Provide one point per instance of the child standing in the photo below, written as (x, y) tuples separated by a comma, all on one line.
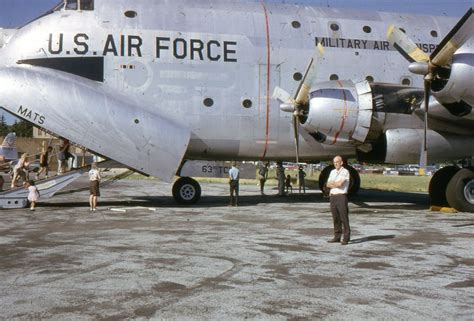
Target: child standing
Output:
[(33, 194)]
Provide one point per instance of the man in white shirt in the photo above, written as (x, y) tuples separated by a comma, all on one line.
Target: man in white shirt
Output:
[(234, 185), (338, 182)]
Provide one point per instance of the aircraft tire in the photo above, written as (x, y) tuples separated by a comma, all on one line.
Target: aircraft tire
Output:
[(354, 184), (186, 191), (460, 191), (439, 183)]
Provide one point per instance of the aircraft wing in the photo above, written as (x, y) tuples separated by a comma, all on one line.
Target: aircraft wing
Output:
[(94, 116)]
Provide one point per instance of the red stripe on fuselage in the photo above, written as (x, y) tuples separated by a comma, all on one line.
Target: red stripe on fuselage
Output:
[(344, 115), (267, 92)]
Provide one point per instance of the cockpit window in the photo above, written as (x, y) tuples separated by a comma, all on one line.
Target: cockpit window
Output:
[(71, 4), (82, 4), (87, 4)]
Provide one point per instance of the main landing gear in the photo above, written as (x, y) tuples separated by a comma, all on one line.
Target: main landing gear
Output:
[(354, 184), (454, 187), (186, 191)]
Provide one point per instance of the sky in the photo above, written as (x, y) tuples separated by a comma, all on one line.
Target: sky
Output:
[(14, 13)]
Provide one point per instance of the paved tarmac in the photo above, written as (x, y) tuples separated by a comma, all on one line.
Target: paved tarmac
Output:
[(143, 257)]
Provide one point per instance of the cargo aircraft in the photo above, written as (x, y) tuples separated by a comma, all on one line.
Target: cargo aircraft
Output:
[(157, 85)]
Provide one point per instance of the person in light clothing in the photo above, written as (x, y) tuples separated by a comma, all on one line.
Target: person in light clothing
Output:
[(20, 170), (234, 185), (94, 178), (338, 183), (33, 194)]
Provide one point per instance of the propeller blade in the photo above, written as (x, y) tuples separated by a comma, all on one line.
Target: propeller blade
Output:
[(297, 141), (282, 96), (461, 32), (424, 146), (302, 93), (405, 45)]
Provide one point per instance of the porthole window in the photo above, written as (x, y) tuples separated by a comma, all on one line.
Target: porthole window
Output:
[(296, 24), (406, 81), (208, 102), (434, 34), (247, 103), (137, 121), (369, 78), (367, 29), (297, 76), (334, 27), (130, 14), (334, 77)]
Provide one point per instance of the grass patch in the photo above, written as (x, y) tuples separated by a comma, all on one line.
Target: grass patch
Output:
[(368, 181)]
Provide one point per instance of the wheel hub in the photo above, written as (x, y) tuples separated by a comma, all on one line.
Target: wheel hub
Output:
[(187, 192), (469, 191)]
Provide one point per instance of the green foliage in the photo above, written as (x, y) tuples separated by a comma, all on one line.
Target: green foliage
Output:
[(21, 128), (4, 128)]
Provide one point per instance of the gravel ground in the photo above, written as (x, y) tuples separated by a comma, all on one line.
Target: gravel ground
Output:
[(143, 257)]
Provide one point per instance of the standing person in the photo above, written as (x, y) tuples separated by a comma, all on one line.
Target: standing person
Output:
[(288, 186), (94, 178), (33, 194), (301, 176), (262, 176), (63, 156), (19, 171), (281, 179), (44, 160), (234, 185), (338, 183)]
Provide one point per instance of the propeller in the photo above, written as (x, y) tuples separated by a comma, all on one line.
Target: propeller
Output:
[(433, 65), (299, 102)]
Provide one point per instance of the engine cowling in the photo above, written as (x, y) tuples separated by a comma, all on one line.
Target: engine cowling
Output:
[(453, 88), (340, 113)]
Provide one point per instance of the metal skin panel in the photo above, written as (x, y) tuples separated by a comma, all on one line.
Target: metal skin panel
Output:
[(104, 121), (404, 146)]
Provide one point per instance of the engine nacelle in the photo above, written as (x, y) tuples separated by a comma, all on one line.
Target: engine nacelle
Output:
[(340, 113), (453, 89), (402, 146)]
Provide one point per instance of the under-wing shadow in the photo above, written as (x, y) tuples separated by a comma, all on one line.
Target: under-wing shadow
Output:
[(366, 199), (463, 225), (372, 238)]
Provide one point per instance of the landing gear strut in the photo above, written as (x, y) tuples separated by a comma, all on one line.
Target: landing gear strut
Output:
[(186, 191)]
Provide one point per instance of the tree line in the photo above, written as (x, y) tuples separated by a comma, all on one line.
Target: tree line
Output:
[(20, 127)]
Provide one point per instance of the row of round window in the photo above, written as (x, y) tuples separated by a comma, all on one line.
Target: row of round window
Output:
[(209, 102), (298, 76), (367, 29), (247, 103)]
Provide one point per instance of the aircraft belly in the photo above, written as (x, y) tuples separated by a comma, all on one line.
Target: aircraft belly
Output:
[(85, 113)]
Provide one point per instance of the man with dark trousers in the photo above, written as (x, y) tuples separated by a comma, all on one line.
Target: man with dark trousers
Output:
[(338, 183), (234, 185)]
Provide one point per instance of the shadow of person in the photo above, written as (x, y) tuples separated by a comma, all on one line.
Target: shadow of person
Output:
[(371, 238)]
